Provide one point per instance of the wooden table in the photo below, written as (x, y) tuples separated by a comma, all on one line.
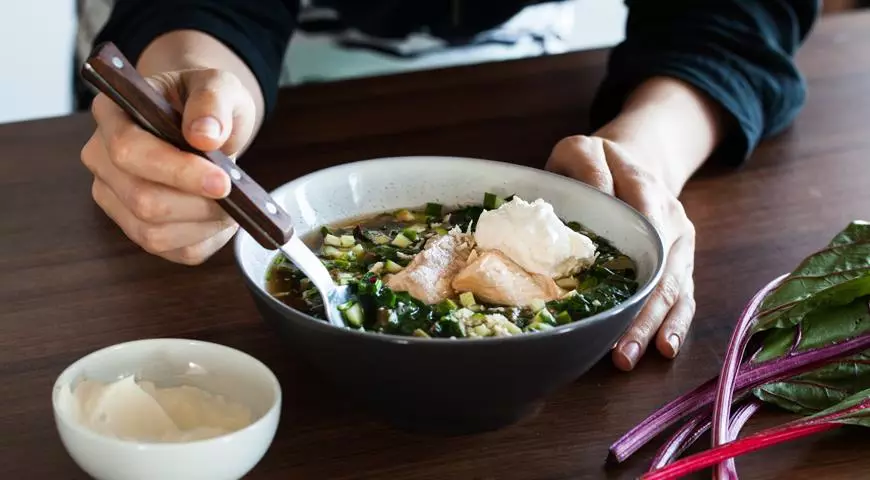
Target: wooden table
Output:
[(71, 283)]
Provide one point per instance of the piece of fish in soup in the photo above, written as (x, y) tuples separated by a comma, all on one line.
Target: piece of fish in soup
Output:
[(494, 278), (430, 274)]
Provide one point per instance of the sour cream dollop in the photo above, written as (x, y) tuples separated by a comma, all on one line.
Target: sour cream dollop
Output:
[(531, 234), (133, 410)]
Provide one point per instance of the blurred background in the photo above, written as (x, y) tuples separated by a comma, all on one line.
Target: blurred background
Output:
[(43, 41)]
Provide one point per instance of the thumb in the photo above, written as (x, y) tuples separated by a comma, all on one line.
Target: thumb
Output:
[(583, 158), (219, 112)]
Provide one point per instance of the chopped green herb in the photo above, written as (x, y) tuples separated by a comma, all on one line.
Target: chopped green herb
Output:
[(362, 255), (434, 209)]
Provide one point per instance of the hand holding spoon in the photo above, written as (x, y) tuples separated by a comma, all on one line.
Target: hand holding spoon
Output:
[(247, 203)]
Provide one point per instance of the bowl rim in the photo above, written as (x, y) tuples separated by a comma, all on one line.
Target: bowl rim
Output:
[(61, 417), (639, 296)]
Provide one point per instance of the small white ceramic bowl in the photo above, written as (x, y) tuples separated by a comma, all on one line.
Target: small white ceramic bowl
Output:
[(169, 362)]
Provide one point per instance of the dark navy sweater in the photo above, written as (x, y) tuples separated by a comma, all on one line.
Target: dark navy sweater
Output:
[(739, 52)]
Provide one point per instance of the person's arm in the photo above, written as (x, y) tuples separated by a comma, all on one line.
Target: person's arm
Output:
[(246, 38), (693, 79), (676, 124)]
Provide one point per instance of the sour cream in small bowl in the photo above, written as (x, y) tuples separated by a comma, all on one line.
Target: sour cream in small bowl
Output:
[(167, 409)]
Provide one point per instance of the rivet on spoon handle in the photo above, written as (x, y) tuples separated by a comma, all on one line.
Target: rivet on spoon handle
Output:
[(248, 203)]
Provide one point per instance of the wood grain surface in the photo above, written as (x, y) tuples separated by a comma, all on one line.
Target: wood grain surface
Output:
[(72, 283)]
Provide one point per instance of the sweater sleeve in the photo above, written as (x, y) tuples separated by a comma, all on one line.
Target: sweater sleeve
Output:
[(258, 31), (739, 52)]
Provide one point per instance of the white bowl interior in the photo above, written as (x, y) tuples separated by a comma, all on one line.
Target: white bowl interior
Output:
[(216, 368), (170, 362), (362, 188)]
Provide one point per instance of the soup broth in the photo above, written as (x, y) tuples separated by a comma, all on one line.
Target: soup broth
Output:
[(365, 253)]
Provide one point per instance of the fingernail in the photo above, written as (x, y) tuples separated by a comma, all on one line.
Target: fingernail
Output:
[(215, 185), (674, 342), (631, 352), (206, 126)]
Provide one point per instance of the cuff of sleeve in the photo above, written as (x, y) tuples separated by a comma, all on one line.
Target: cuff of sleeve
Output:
[(722, 84), (133, 43)]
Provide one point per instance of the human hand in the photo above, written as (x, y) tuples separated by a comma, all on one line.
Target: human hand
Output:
[(161, 197), (613, 169)]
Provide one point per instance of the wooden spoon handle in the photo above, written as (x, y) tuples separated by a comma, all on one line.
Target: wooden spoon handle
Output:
[(248, 203)]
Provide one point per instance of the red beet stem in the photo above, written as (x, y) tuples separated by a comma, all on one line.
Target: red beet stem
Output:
[(750, 376), (682, 439), (790, 431), (714, 456), (738, 421), (692, 430), (728, 376)]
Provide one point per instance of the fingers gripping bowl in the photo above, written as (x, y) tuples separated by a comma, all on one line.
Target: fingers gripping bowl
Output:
[(426, 381)]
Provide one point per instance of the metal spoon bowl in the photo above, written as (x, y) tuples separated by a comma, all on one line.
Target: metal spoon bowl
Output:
[(332, 294)]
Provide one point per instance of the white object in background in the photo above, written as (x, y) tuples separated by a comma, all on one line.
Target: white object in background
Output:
[(37, 81), (212, 367), (316, 57), (598, 24), (585, 24)]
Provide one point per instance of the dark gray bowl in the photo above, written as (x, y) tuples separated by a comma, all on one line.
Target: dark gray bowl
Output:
[(442, 384)]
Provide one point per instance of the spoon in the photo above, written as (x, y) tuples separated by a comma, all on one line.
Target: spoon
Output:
[(247, 203)]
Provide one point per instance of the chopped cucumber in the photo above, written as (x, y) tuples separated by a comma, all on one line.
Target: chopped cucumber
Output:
[(392, 267), (418, 227), (333, 252), (571, 294), (492, 201), (404, 216), (325, 231), (513, 329), (536, 305), (346, 305), (544, 316), (345, 278), (420, 333), (446, 306), (379, 238), (401, 241), (347, 240), (411, 234), (467, 299), (354, 315), (567, 282), (433, 209), (539, 327), (331, 239), (482, 331), (358, 250), (563, 317)]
